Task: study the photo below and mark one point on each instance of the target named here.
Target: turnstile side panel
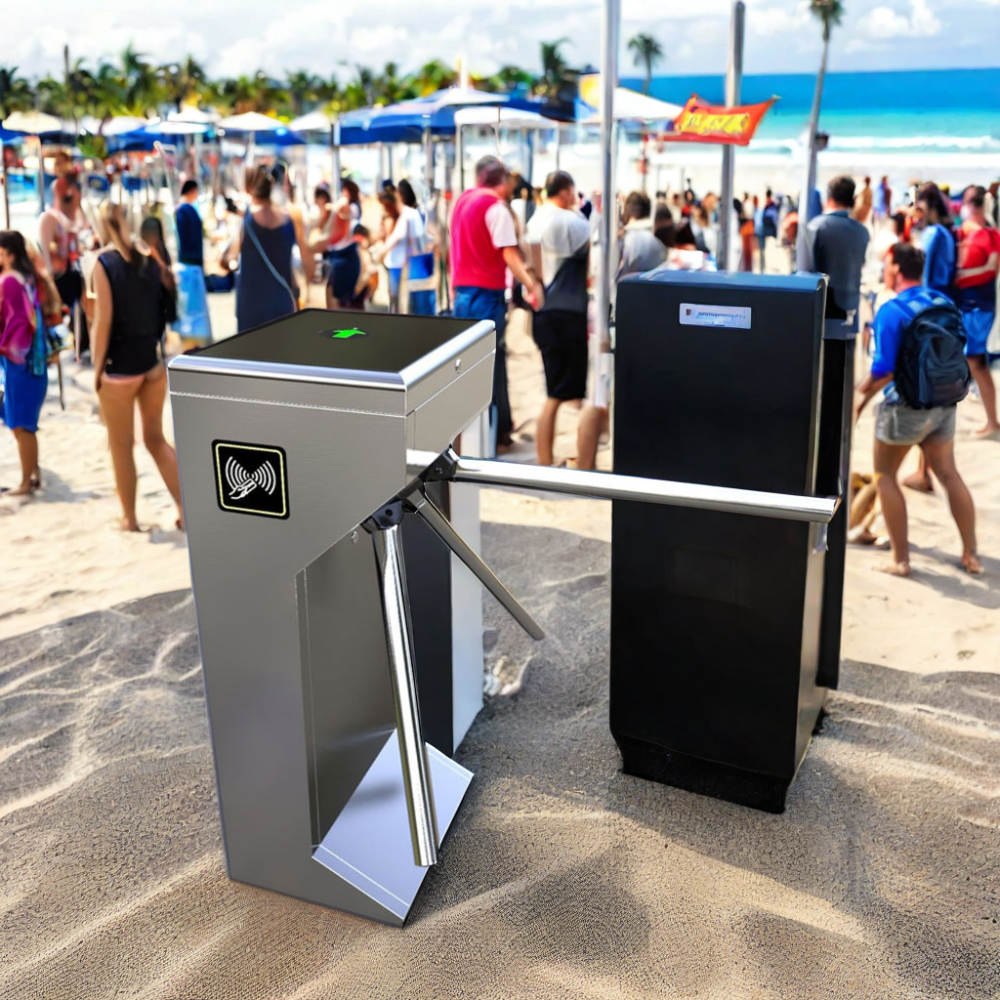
(244, 568)
(347, 700)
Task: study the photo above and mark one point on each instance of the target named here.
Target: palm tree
(15, 92)
(140, 86)
(508, 77)
(390, 87)
(554, 68)
(181, 81)
(433, 76)
(647, 52)
(829, 13)
(303, 91)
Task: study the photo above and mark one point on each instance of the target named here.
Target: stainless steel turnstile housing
(289, 437)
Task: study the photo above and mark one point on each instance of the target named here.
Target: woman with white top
(405, 232)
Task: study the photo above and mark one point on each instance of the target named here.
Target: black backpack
(931, 369)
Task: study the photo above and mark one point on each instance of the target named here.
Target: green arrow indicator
(352, 332)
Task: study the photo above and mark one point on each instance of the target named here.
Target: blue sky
(320, 35)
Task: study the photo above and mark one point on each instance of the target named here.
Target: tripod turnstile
(308, 450)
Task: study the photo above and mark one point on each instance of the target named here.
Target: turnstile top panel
(802, 281)
(349, 346)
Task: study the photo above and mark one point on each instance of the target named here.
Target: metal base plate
(369, 845)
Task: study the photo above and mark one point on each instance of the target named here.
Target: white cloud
(886, 23)
(778, 20)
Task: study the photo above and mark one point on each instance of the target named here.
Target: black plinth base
(719, 781)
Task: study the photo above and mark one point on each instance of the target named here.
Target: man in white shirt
(559, 242)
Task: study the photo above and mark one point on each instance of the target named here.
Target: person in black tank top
(135, 294)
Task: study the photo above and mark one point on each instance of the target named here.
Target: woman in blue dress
(266, 290)
(23, 355)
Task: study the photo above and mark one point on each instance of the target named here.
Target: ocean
(913, 111)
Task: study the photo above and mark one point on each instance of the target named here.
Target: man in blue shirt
(898, 427)
(934, 222)
(194, 323)
(190, 231)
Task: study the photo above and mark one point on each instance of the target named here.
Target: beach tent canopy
(409, 120)
(32, 123)
(630, 105)
(506, 117)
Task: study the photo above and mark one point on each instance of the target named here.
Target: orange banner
(701, 122)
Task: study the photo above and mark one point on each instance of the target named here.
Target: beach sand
(561, 877)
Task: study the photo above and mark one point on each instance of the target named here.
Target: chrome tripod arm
(421, 504)
(608, 486)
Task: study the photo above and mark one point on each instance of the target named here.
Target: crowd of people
(507, 245)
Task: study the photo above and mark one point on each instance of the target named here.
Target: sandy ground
(562, 877)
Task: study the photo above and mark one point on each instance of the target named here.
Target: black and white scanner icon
(251, 478)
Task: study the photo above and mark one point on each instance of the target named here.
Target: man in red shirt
(483, 247)
(976, 294)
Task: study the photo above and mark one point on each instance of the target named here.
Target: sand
(561, 877)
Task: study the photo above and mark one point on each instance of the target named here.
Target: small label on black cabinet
(726, 317)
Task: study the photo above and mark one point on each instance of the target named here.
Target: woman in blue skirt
(23, 355)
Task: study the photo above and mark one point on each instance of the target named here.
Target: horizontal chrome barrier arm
(609, 486)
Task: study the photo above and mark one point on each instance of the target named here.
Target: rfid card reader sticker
(724, 317)
(251, 478)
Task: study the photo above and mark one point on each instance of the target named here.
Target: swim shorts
(900, 425)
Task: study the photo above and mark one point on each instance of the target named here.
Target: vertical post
(41, 177)
(558, 144)
(610, 18)
(3, 184)
(734, 84)
(428, 163)
(460, 157)
(399, 643)
(335, 156)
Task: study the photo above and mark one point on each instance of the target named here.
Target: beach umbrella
(251, 122)
(194, 115)
(315, 121)
(174, 127)
(32, 123)
(630, 105)
(125, 123)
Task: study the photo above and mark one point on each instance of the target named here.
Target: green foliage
(132, 85)
(829, 13)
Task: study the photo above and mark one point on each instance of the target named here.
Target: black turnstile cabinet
(716, 618)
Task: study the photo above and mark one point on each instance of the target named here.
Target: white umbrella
(126, 123)
(32, 122)
(315, 121)
(178, 128)
(630, 105)
(251, 121)
(195, 115)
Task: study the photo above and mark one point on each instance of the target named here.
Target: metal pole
(428, 163)
(41, 177)
(335, 150)
(3, 183)
(608, 486)
(423, 505)
(734, 84)
(610, 19)
(460, 157)
(399, 642)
